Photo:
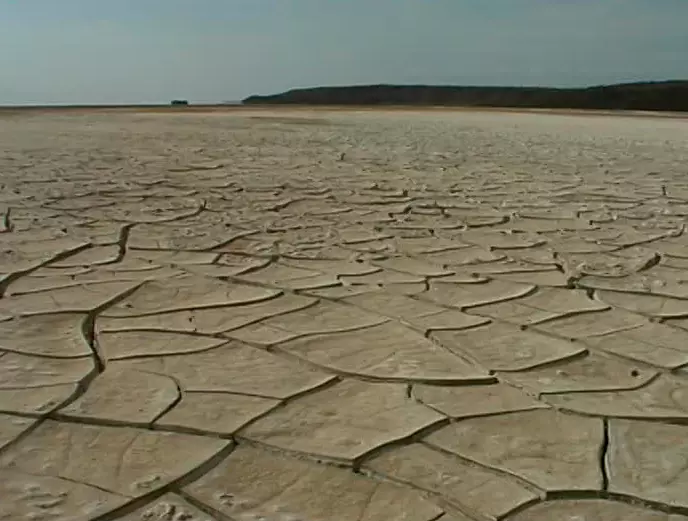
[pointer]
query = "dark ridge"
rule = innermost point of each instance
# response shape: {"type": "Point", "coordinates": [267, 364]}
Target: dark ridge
{"type": "Point", "coordinates": [652, 96]}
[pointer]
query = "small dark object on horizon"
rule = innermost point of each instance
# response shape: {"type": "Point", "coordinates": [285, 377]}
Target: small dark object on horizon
{"type": "Point", "coordinates": [179, 102]}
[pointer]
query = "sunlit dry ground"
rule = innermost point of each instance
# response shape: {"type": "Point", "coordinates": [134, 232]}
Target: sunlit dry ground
{"type": "Point", "coordinates": [343, 315]}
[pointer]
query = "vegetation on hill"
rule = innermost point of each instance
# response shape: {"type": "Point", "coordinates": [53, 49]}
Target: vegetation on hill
{"type": "Point", "coordinates": [660, 96]}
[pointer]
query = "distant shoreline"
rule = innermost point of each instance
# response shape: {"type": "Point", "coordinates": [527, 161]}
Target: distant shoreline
{"type": "Point", "coordinates": [96, 106]}
{"type": "Point", "coordinates": [634, 98]}
{"type": "Point", "coordinates": [662, 96]}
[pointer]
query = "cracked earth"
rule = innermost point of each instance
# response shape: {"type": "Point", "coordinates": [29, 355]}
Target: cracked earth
{"type": "Point", "coordinates": [343, 316]}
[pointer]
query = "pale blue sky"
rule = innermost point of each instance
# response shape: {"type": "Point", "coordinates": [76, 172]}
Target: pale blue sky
{"type": "Point", "coordinates": [147, 51]}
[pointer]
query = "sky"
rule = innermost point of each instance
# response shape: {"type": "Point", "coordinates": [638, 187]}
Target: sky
{"type": "Point", "coordinates": [153, 51]}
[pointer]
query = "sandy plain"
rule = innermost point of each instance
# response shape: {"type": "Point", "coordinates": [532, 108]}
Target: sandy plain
{"type": "Point", "coordinates": [346, 315]}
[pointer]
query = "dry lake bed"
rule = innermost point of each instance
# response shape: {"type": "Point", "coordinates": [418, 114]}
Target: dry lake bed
{"type": "Point", "coordinates": [301, 315]}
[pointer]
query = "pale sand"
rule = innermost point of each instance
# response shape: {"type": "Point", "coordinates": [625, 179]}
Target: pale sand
{"type": "Point", "coordinates": [343, 314]}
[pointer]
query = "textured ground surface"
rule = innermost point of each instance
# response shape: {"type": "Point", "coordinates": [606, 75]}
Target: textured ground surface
{"type": "Point", "coordinates": [343, 316]}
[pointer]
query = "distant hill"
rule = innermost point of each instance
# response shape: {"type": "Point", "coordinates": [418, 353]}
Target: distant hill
{"type": "Point", "coordinates": [655, 96]}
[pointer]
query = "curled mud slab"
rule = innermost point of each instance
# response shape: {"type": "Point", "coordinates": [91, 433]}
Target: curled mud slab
{"type": "Point", "coordinates": [346, 316]}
